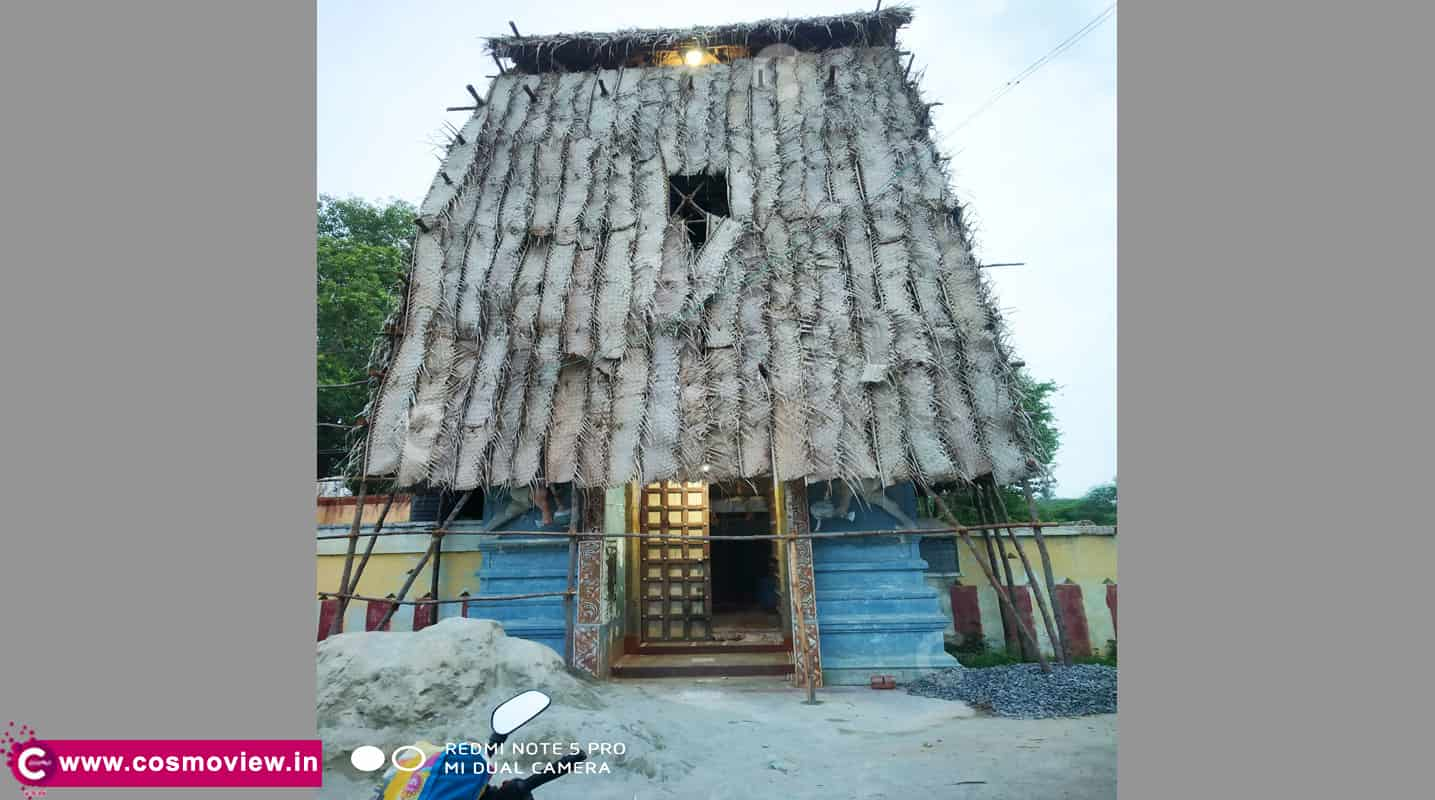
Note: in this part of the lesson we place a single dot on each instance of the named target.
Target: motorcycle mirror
(518, 711)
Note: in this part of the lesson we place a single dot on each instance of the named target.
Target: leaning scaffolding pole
(1041, 602)
(996, 584)
(435, 542)
(344, 587)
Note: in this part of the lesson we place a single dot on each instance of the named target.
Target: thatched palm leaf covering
(585, 51)
(561, 326)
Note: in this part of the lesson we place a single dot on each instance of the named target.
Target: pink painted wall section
(1073, 615)
(1023, 606)
(327, 610)
(1111, 603)
(376, 612)
(424, 616)
(966, 613)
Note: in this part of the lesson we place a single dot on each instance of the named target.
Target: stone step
(708, 648)
(710, 664)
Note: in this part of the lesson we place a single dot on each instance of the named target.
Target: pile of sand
(442, 683)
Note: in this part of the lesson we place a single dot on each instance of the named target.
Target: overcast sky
(1038, 167)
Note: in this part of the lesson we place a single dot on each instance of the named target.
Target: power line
(1066, 44)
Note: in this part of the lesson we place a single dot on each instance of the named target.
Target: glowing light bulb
(694, 57)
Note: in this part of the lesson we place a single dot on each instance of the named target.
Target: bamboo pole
(434, 546)
(373, 538)
(992, 579)
(338, 623)
(755, 537)
(352, 583)
(1046, 568)
(423, 601)
(1008, 628)
(1051, 633)
(434, 575)
(989, 516)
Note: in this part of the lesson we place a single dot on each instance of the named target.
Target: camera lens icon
(367, 758)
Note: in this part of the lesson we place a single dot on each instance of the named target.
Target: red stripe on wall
(1022, 600)
(966, 614)
(1111, 603)
(327, 610)
(1073, 616)
(376, 611)
(424, 616)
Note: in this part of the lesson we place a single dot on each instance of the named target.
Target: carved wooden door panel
(676, 570)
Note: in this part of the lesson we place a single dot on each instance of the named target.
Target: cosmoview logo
(35, 763)
(30, 760)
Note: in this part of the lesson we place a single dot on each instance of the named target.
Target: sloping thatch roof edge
(586, 50)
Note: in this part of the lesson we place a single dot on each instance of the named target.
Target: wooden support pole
(1046, 568)
(918, 532)
(992, 579)
(434, 547)
(1057, 642)
(908, 70)
(352, 583)
(514, 28)
(462, 598)
(1008, 628)
(434, 575)
(531, 96)
(338, 623)
(989, 516)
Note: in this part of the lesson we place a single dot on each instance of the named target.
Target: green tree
(1046, 437)
(1097, 506)
(363, 254)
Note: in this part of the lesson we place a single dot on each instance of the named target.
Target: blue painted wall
(875, 612)
(523, 565)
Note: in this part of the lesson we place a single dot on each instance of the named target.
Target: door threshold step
(701, 648)
(648, 665)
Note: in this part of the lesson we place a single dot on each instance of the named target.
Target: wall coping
(350, 500)
(418, 541)
(1064, 530)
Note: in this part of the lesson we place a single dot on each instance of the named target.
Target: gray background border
(157, 315)
(158, 325)
(1270, 164)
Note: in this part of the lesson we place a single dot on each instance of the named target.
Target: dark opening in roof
(697, 198)
(579, 52)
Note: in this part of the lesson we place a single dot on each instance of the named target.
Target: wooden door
(675, 570)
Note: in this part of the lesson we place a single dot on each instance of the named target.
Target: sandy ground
(763, 739)
(737, 738)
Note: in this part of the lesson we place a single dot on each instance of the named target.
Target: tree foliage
(363, 253)
(1097, 506)
(1046, 437)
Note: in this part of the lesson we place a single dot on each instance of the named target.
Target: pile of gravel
(1021, 690)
